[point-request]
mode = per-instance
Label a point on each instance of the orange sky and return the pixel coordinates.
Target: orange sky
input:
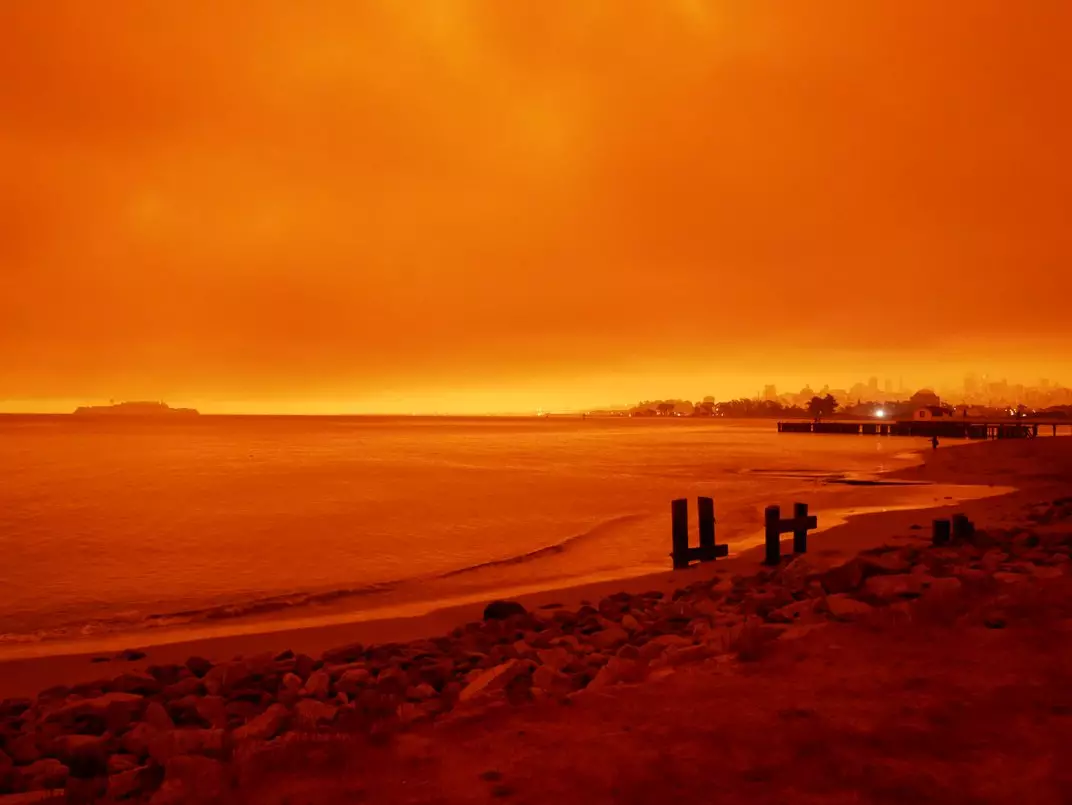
(462, 205)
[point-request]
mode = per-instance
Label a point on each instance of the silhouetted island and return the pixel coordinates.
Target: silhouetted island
(134, 409)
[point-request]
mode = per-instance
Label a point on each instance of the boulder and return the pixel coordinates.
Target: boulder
(353, 681)
(85, 790)
(134, 682)
(501, 610)
(844, 578)
(608, 638)
(344, 654)
(198, 666)
(157, 716)
(555, 658)
(132, 782)
(265, 726)
(23, 749)
(163, 746)
(112, 710)
(190, 686)
(893, 587)
(318, 686)
(48, 774)
(168, 674)
(211, 710)
(551, 681)
(883, 564)
(796, 612)
(309, 714)
(291, 682)
(83, 755)
(944, 585)
(658, 645)
(843, 607)
(227, 676)
(189, 778)
(119, 763)
(683, 655)
(136, 740)
(492, 680)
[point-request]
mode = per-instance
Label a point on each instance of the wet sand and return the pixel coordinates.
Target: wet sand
(1005, 477)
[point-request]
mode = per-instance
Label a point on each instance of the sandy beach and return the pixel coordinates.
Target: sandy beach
(996, 480)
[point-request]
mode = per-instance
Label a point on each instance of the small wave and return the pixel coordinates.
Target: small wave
(133, 621)
(547, 550)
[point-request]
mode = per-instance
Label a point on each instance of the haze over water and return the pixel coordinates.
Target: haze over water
(116, 526)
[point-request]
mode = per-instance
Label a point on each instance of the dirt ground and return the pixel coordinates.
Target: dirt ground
(966, 700)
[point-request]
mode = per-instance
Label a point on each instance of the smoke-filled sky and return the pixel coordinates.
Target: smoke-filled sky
(479, 205)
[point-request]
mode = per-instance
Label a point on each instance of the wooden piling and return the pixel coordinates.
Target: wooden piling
(963, 528)
(800, 533)
(679, 533)
(772, 519)
(706, 513)
(941, 532)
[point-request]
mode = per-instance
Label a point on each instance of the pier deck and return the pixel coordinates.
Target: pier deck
(944, 428)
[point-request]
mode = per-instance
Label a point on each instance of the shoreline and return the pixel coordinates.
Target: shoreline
(973, 464)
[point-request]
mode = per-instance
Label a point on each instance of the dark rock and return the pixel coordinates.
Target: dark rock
(136, 740)
(84, 755)
(844, 578)
(119, 763)
(85, 790)
(163, 746)
(168, 674)
(131, 655)
(157, 716)
(265, 726)
(112, 710)
(309, 714)
(9, 708)
(190, 686)
(198, 666)
(45, 775)
(142, 684)
(23, 749)
(501, 610)
(134, 782)
(343, 655)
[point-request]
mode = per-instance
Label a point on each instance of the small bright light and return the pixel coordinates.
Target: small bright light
(880, 413)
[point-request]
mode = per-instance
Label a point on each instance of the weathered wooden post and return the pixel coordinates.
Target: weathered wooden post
(772, 520)
(800, 529)
(679, 534)
(941, 532)
(963, 528)
(705, 511)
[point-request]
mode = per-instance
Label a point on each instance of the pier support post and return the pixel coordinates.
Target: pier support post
(941, 533)
(679, 533)
(772, 519)
(706, 513)
(800, 533)
(963, 528)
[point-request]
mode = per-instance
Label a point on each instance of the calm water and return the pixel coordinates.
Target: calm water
(112, 526)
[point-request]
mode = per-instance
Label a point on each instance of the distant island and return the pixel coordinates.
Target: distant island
(147, 409)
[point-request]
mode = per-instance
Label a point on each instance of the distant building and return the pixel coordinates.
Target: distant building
(929, 412)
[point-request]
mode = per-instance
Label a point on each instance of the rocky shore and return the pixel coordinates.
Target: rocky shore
(145, 736)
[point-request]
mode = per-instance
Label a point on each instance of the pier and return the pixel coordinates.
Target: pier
(943, 428)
